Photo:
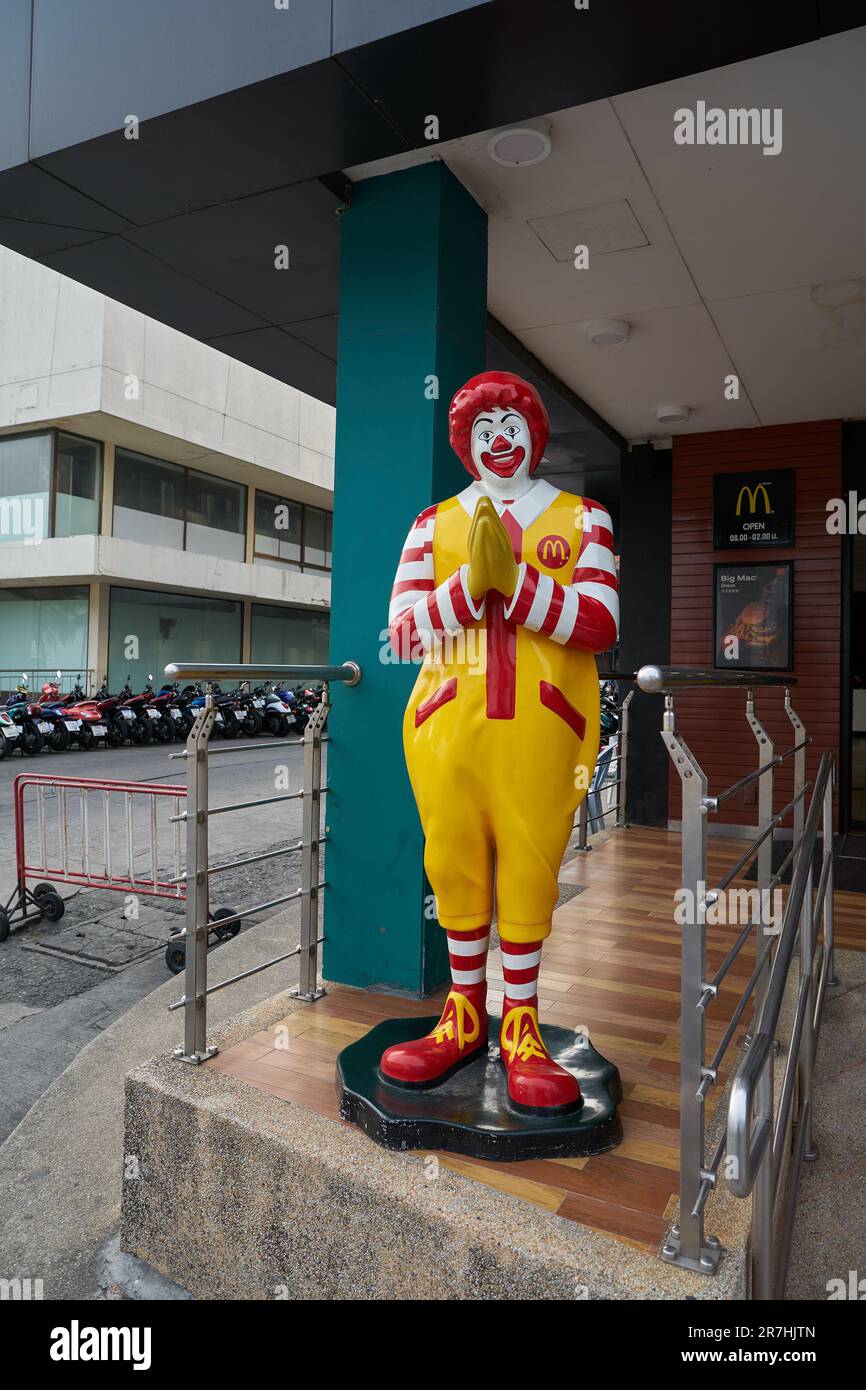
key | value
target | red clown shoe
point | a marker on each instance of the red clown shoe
(458, 1038)
(536, 1084)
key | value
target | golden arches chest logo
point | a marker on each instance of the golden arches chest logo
(553, 552)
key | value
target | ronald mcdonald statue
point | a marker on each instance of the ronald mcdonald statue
(508, 589)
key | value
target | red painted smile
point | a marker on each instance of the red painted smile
(504, 465)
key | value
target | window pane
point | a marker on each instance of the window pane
(148, 500)
(169, 627)
(43, 629)
(289, 635)
(79, 483)
(216, 514)
(25, 488)
(278, 528)
(317, 538)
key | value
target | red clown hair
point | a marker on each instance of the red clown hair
(488, 391)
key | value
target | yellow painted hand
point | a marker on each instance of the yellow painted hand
(491, 557)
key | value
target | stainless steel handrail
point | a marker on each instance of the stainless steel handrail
(198, 928)
(662, 680)
(746, 1141)
(753, 1137)
(349, 673)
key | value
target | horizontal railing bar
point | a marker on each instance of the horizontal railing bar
(240, 806)
(349, 673)
(796, 748)
(789, 1079)
(823, 970)
(726, 964)
(744, 858)
(803, 1130)
(714, 802)
(244, 912)
(245, 747)
(748, 1147)
(780, 872)
(821, 890)
(660, 680)
(250, 911)
(239, 863)
(244, 975)
(738, 1011)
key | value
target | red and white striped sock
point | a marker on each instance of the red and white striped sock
(467, 955)
(520, 964)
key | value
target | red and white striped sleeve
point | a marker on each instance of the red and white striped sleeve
(420, 613)
(584, 614)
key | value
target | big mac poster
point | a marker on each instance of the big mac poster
(753, 613)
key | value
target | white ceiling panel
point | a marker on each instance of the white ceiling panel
(748, 222)
(798, 355)
(674, 356)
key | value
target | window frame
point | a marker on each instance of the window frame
(302, 564)
(186, 469)
(53, 432)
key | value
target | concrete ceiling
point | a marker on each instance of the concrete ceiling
(737, 262)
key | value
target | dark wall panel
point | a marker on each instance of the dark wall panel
(644, 545)
(356, 23)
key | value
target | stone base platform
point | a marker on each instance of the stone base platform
(469, 1113)
(236, 1192)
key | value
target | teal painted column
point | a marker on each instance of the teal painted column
(413, 296)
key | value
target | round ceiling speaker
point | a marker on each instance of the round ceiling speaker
(672, 414)
(519, 145)
(608, 332)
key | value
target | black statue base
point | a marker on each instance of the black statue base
(469, 1113)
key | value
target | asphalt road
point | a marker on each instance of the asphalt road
(62, 982)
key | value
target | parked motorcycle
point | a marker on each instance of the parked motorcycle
(10, 735)
(33, 728)
(275, 712)
(108, 706)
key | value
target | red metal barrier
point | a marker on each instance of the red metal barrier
(86, 867)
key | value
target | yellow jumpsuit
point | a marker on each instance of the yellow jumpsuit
(501, 735)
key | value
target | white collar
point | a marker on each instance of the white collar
(537, 498)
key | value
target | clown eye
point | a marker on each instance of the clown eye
(512, 430)
(485, 435)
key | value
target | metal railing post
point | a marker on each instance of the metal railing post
(799, 768)
(195, 1048)
(827, 915)
(806, 1058)
(622, 763)
(308, 976)
(762, 1194)
(687, 1244)
(583, 823)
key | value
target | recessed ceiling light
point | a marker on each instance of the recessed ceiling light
(608, 332)
(672, 414)
(521, 144)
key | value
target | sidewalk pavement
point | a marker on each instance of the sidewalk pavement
(60, 1170)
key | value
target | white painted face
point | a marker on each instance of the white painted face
(502, 451)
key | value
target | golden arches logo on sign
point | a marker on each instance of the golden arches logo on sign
(753, 494)
(553, 552)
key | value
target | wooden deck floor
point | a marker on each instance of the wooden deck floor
(611, 965)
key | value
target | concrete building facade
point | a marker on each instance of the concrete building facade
(155, 494)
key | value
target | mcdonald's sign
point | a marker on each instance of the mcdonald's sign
(753, 495)
(753, 509)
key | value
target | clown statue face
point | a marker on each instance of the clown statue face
(501, 445)
(494, 742)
